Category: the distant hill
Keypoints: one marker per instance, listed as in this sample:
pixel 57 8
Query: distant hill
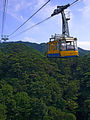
pixel 16 47
pixel 42 47
pixel 83 52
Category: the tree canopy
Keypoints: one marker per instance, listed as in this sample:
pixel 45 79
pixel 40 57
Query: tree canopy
pixel 33 87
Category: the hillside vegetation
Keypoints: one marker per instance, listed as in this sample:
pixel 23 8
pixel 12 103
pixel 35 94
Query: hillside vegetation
pixel 43 48
pixel 33 87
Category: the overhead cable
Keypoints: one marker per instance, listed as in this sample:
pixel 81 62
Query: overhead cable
pixel 32 26
pixel 30 18
pixel 3 17
pixel 39 22
pixel 74 2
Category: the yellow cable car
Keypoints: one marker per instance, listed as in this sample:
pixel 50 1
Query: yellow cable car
pixel 62 45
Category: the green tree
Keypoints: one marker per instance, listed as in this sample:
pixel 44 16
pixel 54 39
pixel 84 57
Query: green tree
pixel 23 108
pixel 3 112
pixel 39 109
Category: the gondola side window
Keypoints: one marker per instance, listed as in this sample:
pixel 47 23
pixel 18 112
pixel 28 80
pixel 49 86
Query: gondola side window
pixel 70 45
pixel 53 46
pixel 48 47
pixel 57 45
pixel 63 46
pixel 75 44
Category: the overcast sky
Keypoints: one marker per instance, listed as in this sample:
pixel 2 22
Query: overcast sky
pixel 20 10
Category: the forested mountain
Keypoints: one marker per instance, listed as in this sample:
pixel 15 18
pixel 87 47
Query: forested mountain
pixel 33 87
pixel 43 48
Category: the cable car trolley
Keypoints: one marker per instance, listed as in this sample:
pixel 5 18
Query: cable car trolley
pixel 62 45
pixel 4 38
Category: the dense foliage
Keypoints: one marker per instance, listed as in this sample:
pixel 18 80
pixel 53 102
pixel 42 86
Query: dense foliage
pixel 33 87
pixel 42 47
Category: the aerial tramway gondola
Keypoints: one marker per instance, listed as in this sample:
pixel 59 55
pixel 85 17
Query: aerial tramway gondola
pixel 59 45
pixel 62 45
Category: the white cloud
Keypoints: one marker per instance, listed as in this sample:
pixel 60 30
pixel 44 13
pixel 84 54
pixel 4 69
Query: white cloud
pixel 86 9
pixel 17 5
pixel 46 10
pixel 15 8
pixel 40 2
pixel 84 45
pixel 14 15
pixel 28 39
pixel 21 17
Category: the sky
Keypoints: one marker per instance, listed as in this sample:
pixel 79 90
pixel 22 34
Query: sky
pixel 20 10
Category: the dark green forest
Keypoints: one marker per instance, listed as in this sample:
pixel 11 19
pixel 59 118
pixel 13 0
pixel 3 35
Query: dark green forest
pixel 34 87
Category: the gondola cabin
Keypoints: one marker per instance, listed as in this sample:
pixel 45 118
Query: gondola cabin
pixel 62 45
pixel 59 46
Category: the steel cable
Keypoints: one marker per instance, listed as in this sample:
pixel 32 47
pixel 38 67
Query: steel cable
pixel 3 17
pixel 32 26
pixel 29 18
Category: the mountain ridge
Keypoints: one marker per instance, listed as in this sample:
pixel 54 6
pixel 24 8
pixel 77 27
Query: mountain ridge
pixel 42 47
